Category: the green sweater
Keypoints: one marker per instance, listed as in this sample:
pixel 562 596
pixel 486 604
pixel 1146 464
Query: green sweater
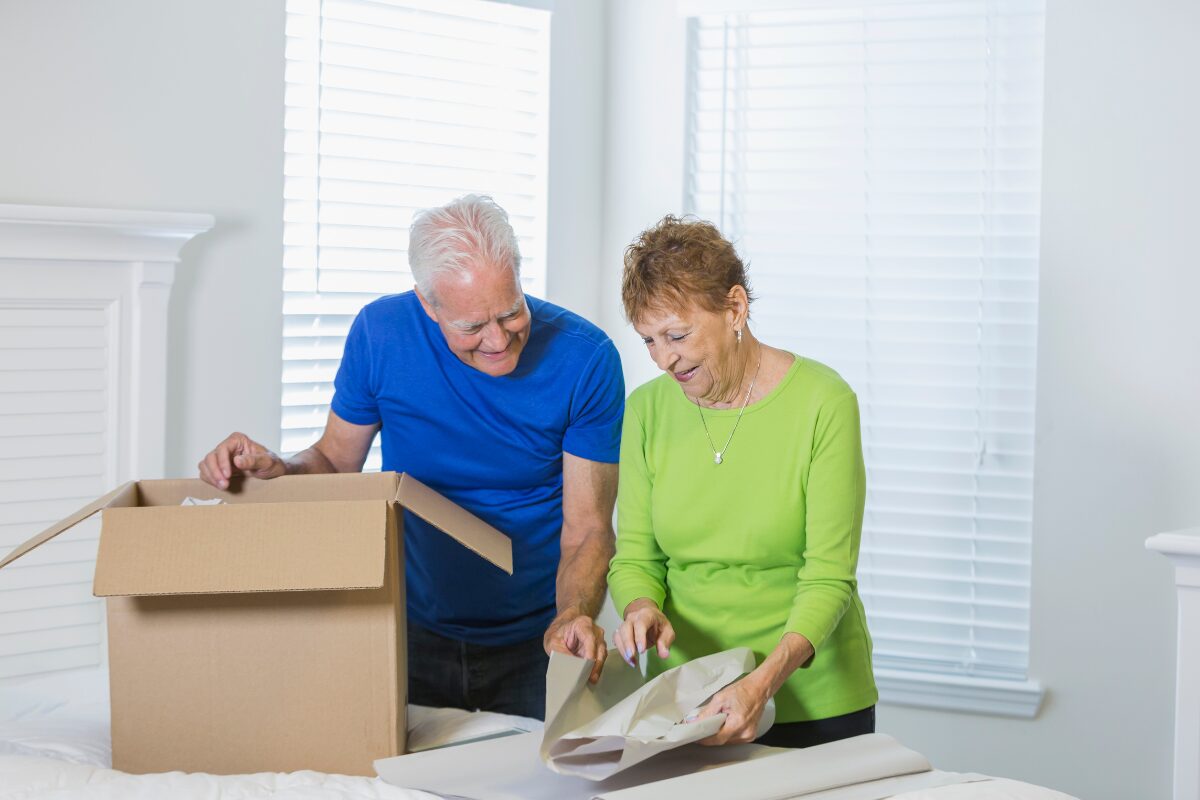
pixel 739 553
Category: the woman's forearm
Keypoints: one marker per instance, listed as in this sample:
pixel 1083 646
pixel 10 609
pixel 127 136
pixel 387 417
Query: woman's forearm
pixel 792 652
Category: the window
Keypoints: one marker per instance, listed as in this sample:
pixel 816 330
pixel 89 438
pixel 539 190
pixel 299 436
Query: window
pixel 879 165
pixel 393 106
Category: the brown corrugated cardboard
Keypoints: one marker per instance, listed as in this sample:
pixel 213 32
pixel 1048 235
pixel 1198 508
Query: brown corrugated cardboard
pixel 266 634
pixel 259 547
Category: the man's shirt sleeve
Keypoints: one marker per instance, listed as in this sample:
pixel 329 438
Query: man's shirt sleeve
pixel 354 397
pixel 597 406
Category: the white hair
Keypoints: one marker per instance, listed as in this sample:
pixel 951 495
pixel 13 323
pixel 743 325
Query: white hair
pixel 453 238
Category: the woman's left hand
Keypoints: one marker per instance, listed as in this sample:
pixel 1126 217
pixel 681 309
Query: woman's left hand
pixel 742 703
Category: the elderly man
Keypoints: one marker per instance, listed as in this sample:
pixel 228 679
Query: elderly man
pixel 511 407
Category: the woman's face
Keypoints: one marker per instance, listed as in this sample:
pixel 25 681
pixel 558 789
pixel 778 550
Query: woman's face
pixel 694 345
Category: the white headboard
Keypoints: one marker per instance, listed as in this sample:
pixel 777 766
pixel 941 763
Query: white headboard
pixel 1183 548
pixel 83 354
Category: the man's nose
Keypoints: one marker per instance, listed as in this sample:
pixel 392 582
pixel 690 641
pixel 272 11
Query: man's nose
pixel 495 338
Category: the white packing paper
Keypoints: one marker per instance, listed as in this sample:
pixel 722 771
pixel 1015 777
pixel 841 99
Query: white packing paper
pixel 596 731
pixel 511 769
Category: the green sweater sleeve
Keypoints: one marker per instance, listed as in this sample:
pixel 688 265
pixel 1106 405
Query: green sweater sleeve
pixel 835 496
pixel 639 568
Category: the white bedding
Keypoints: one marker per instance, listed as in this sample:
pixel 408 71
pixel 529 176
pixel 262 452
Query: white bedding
pixel 54 745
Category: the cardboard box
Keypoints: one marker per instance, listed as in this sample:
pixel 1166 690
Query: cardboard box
pixel 266 633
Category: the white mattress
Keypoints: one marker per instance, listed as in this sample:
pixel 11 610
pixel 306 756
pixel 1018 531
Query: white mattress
pixel 54 745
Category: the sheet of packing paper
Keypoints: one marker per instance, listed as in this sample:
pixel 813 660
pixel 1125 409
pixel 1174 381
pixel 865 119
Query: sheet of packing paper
pixel 511 769
pixel 900 786
pixel 596 731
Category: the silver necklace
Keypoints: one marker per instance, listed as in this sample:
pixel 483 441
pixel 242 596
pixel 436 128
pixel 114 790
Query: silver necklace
pixel 718 455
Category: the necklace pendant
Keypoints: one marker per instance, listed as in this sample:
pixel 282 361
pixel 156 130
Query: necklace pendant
pixel 716 458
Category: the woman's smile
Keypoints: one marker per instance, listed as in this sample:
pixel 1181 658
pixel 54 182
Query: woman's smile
pixel 686 375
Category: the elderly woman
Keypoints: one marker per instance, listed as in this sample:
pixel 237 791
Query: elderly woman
pixel 740 502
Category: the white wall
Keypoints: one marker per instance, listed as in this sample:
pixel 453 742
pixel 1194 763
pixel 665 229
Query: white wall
pixel 1118 440
pixel 166 106
pixel 179 106
pixel 1118 436
pixel 644 156
pixel 576 166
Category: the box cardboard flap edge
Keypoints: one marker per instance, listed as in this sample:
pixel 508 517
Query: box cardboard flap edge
pixel 235 548
pixel 456 522
pixel 123 496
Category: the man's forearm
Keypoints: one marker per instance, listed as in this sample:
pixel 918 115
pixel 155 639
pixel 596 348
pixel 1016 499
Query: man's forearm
pixel 309 462
pixel 582 572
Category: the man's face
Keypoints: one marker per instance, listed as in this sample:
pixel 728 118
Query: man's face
pixel 483 315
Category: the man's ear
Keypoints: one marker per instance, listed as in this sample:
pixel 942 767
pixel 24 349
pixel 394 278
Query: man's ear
pixel 430 308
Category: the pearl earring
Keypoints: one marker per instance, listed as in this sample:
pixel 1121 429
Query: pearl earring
pixel 739 335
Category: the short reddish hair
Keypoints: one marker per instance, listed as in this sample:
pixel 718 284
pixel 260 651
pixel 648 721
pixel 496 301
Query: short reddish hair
pixel 677 263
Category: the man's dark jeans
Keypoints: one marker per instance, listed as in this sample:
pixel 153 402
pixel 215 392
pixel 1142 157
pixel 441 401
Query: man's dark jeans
pixel 509 679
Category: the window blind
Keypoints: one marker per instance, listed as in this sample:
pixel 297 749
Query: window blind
pixel 392 106
pixel 878 164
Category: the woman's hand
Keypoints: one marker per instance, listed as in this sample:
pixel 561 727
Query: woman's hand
pixel 742 703
pixel 645 626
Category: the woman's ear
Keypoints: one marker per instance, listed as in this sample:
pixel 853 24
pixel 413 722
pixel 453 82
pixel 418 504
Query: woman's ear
pixel 738 307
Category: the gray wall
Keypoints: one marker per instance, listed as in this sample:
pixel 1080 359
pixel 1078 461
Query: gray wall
pixel 167 106
pixel 178 106
pixel 1118 439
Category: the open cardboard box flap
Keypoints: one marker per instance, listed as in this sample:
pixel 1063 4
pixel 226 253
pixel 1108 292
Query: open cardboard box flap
pixel 455 521
pixel 296 533
pixel 253 547
pixel 124 495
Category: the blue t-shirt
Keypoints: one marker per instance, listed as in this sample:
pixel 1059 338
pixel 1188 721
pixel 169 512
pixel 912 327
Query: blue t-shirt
pixel 493 445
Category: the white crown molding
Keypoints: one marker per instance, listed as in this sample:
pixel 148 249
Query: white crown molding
pixel 96 234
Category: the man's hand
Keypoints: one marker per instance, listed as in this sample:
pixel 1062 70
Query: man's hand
pixel 239 454
pixel 742 703
pixel 342 447
pixel 645 626
pixel 577 634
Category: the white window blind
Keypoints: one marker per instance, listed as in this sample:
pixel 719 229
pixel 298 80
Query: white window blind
pixel 878 164
pixel 393 106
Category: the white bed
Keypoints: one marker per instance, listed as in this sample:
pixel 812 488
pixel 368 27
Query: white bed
pixel 54 745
